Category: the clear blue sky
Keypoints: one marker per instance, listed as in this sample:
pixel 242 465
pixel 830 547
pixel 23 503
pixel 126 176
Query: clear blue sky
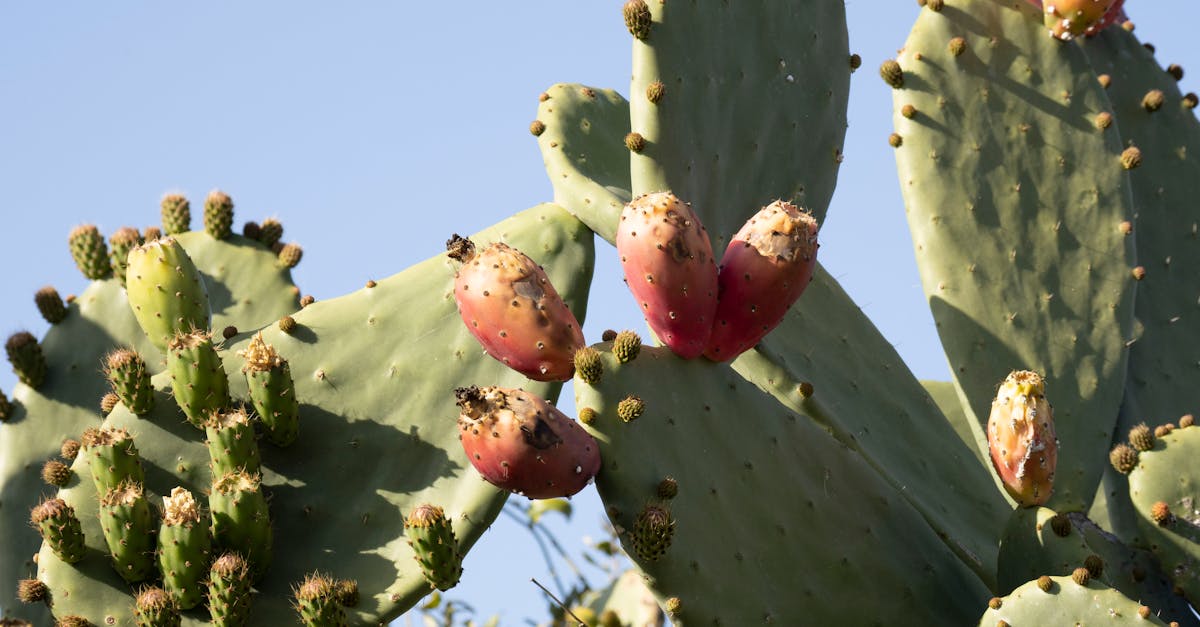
pixel 374 130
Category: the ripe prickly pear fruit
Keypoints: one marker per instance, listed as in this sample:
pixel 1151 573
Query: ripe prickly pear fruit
pixel 112 457
pixel 166 291
pixel 154 607
pixel 1021 438
pixel 121 242
pixel 431 537
pixel 231 443
pixel 128 525
pixel 50 305
pixel 523 444
pixel 240 520
pixel 25 355
pixel 272 391
pixel 198 378
pixel 60 529
pixel 183 548
pixel 317 602
pixel 90 252
pixel 669 267
pixel 1067 19
pixel 766 267
pixel 229 591
pixel 176 214
pixel 218 214
pixel 509 305
pixel 130 380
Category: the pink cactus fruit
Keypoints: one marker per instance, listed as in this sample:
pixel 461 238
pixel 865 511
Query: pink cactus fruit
pixel 1067 19
pixel 510 306
pixel 766 267
pixel 1021 438
pixel 523 444
pixel 669 267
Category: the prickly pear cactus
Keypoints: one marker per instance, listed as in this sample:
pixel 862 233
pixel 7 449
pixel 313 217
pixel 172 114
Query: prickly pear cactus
pixel 1016 197
pixel 728 443
pixel 718 123
pixel 246 289
pixel 1066 601
pixel 385 414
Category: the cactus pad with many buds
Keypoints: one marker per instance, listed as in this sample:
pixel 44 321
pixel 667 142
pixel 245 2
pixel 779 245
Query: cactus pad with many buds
pixel 347 401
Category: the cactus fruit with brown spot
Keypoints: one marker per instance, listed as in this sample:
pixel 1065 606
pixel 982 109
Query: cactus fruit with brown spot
pixel 1021 438
pixel 508 303
pixel 519 442
pixel 669 267
pixel 765 269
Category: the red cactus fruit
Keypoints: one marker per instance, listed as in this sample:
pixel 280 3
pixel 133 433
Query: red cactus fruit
pixel 510 306
pixel 523 444
pixel 669 267
pixel 766 267
pixel 1021 438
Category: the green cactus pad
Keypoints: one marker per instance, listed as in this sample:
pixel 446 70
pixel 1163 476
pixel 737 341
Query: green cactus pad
pixel 231 443
pixel 1168 474
pixel 154 607
pixel 198 377
pixel 1162 355
pixel 27 358
pixel 50 305
pixel 1014 200
pixel 89 252
pixel 120 243
pixel 128 525
pixel 129 377
pixel 383 414
pixel 112 457
pixel 218 214
pixel 273 392
pixel 184 548
pixel 1032 546
pixel 1067 603
pixel 732 117
pixel 870 402
pixel 628 599
pixel 945 395
pixel 229 597
pixel 318 604
pixel 241 521
pixel 584 153
pixel 248 290
pixel 726 531
pixel 176 214
pixel 166 291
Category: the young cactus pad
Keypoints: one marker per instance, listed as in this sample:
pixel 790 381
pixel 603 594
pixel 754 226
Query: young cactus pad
pixel 376 406
pixel 731 116
pixel 247 290
pixel 997 230
pixel 724 530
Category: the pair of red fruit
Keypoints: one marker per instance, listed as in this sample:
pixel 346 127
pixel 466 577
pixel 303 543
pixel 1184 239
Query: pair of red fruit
pixel 520 442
